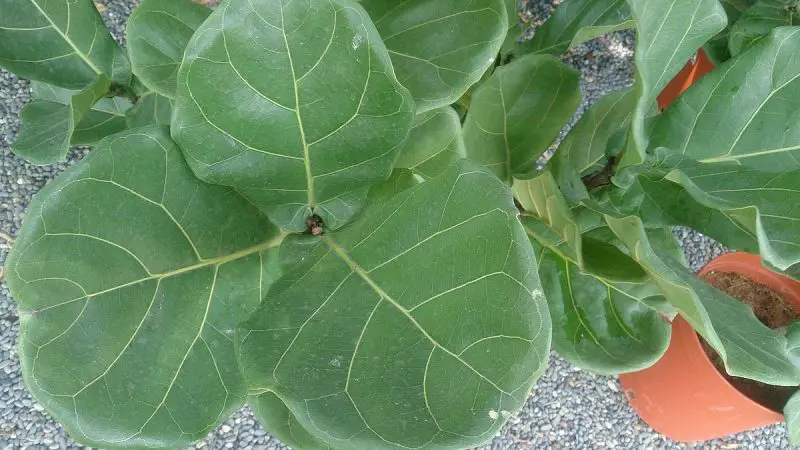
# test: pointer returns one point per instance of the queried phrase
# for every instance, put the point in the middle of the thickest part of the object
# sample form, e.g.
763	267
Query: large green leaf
577	21
151	109
61	42
661	203
434	144
46	126
439	49
792	413
669	32
106	117
598	325
745	112
294	104
131	275
764	203
273	414
158	32
423	324
757	22
518	112
748	348
585	146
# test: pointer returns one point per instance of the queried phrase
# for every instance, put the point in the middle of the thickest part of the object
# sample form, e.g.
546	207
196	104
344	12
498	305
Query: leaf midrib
219	261
312	201
66	38
358	270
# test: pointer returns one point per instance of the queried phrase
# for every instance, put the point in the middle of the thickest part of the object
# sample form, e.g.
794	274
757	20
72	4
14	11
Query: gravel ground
571	409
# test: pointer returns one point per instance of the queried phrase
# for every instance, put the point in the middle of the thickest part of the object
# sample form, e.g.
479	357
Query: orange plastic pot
693	71
683	396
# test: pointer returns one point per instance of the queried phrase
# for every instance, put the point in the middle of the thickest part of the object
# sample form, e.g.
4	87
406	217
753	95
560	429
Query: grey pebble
571	409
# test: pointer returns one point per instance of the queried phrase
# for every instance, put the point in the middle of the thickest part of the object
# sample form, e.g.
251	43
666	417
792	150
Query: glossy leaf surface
131	275
292	103
745	112
46	126
518	112
576	21
106	117
748	348
384	334
669	32
61	42
434	144
158	32
598	325
439	49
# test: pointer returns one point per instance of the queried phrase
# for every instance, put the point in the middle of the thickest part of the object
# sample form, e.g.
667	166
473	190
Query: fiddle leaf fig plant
334	211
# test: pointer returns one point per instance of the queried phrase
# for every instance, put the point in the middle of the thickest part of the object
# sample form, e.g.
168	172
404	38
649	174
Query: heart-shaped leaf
599	325
292	103
517	114
61	42
585	146
576	21
364	338
151	109
669	32
455	52
744	112
748	348
46	126
435	143
106	117
757	22
130	275
158	32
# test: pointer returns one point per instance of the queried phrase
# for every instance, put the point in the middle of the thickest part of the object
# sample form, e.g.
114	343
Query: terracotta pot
683	396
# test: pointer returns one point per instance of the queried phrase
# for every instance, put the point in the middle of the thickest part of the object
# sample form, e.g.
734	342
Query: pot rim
749	265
